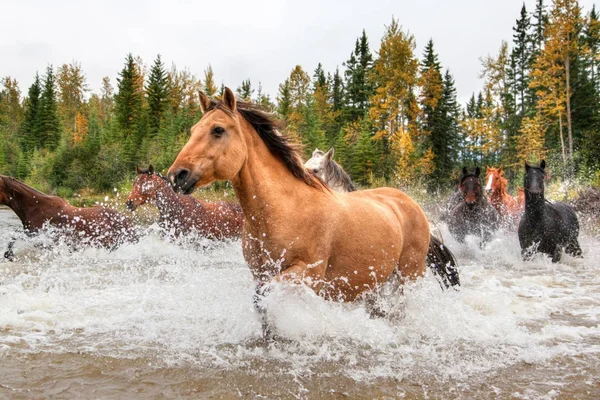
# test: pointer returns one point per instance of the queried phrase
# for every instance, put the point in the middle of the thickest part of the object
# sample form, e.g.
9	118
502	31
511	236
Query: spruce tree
30	134
49	125
337	91
522	55
128	100
358	87
319	79
245	90
157	91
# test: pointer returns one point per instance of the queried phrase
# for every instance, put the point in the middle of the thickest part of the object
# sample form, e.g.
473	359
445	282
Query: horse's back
565	216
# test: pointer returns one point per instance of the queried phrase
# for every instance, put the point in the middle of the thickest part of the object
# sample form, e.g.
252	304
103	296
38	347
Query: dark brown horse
474	215
181	214
94	226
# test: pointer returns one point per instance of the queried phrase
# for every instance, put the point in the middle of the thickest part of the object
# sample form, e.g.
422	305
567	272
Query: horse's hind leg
573	249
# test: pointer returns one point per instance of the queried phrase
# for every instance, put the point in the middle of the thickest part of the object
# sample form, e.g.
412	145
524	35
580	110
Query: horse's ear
329	154
138	170
229	99
316	151
150	169
477	171
204	102
543	164
500	169
527	166
465	172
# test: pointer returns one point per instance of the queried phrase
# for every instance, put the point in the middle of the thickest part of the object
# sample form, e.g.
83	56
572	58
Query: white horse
329	171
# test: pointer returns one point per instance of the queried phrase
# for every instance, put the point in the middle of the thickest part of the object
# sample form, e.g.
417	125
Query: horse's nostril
181	177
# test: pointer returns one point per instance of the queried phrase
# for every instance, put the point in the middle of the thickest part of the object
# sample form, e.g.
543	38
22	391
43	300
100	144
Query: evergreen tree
128	109
337	91
210	88
245	90
49	125
157	92
284	100
358	86
31	123
319	79
522	55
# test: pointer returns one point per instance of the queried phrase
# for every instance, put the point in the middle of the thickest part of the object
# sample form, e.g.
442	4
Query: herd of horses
303	223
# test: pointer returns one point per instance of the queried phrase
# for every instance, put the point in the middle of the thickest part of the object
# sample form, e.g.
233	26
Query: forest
391	114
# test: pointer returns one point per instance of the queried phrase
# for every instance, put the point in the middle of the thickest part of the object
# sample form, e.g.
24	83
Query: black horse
546	227
474	215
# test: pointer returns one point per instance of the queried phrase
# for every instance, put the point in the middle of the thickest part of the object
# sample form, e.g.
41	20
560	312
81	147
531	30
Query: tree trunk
568	100
562	140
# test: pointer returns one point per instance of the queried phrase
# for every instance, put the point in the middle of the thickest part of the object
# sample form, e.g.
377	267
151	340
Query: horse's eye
218	131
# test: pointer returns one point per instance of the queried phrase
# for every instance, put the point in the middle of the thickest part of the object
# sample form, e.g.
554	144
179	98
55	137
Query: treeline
392	116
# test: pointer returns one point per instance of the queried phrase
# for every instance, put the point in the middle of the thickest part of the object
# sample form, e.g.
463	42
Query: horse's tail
442	263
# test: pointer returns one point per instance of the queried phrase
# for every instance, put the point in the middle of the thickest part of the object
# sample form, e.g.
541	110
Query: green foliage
392	119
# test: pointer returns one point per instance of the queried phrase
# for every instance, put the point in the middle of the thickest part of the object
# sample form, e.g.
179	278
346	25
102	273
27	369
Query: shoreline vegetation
392	115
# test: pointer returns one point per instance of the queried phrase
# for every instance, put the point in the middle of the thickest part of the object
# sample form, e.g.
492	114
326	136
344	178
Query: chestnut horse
95	226
474	215
296	229
501	200
185	214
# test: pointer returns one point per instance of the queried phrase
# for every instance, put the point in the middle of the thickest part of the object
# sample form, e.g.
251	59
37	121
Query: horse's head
534	179
494	177
145	188
216	150
470	186
318	162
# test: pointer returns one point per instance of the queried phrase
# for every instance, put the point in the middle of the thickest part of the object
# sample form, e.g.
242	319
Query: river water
162	320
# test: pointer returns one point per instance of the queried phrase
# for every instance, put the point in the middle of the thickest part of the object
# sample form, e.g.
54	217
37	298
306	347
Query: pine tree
522	54
337	91
158	92
245	90
31	124
358	86
210	88
284	100
319	79
128	109
49	124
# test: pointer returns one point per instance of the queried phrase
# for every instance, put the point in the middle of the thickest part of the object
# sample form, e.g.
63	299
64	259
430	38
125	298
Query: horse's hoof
9	255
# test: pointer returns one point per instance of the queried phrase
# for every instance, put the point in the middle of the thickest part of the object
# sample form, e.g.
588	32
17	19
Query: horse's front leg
557	253
293	274
9	253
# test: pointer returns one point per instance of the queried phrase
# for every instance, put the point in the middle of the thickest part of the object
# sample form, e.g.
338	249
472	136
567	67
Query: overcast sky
259	40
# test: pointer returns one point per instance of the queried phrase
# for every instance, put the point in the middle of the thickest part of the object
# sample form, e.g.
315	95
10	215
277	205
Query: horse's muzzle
182	181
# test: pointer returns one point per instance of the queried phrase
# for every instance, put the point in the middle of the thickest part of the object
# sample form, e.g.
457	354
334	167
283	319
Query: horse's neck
25	201
167	201
534	205
265	187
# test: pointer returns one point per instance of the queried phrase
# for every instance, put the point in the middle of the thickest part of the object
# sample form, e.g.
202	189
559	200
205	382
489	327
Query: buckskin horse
181	214
296	229
546	227
473	215
95	226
